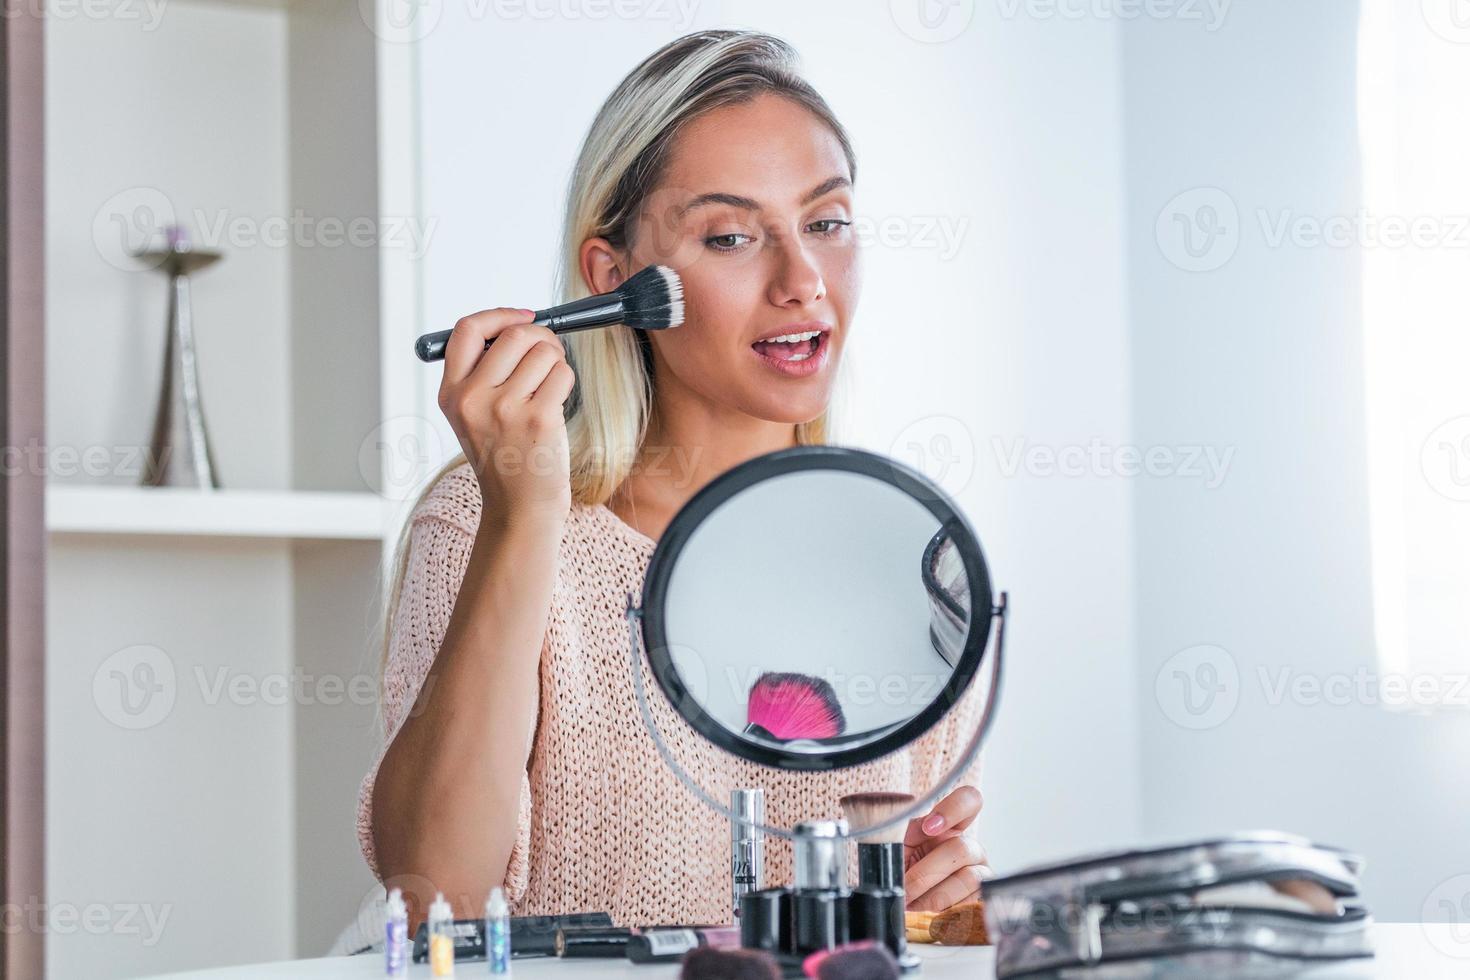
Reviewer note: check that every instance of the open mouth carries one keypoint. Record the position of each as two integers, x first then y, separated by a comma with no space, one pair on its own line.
792,347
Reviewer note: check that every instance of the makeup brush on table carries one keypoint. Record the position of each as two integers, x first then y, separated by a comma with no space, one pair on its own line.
787,706
652,299
877,905
880,854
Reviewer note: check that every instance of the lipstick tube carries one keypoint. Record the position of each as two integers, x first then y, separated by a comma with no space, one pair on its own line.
747,845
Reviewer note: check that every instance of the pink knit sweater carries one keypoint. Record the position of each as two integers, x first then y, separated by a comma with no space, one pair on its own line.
603,823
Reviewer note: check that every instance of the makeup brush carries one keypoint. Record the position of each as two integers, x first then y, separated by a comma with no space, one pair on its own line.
710,963
880,854
653,299
861,960
785,706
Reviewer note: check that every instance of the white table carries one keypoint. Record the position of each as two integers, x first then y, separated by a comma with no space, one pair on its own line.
1421,952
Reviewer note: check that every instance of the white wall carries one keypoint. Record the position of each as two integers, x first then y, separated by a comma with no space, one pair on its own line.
1014,328
1263,355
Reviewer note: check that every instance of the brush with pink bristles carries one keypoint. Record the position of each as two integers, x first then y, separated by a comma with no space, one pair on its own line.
785,706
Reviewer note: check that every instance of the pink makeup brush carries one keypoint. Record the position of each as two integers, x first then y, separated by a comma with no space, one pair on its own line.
786,706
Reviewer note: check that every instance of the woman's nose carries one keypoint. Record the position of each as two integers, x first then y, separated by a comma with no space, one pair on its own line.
797,277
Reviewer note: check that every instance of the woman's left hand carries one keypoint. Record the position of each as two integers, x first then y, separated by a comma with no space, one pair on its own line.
943,865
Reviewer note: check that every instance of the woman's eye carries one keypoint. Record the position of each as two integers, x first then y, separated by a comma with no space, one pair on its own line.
829,226
724,243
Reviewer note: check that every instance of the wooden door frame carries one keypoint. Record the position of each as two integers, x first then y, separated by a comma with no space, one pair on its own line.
22,493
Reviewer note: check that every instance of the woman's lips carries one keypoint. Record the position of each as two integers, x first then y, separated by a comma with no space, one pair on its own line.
788,359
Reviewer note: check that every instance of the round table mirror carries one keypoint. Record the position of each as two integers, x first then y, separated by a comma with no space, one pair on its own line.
816,608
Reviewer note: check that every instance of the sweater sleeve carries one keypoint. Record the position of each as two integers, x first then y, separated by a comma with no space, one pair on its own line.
935,752
438,554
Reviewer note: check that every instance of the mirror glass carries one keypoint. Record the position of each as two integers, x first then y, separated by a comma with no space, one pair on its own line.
816,604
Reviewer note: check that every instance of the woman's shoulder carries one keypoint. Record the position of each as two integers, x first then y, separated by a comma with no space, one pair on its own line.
454,499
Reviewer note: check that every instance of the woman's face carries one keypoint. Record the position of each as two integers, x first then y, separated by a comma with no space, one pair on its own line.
754,213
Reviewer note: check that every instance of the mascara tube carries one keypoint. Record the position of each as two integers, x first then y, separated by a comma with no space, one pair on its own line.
747,845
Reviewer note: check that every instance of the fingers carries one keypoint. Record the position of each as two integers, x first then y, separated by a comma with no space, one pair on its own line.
466,344
960,887
531,371
556,387
511,345
961,858
950,816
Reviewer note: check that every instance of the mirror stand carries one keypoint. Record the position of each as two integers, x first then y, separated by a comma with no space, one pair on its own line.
820,912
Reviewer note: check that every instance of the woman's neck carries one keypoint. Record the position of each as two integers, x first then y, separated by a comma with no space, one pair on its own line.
687,445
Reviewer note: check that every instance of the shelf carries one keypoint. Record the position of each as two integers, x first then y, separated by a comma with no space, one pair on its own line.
221,513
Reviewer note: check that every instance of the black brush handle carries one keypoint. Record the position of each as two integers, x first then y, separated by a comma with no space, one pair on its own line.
602,310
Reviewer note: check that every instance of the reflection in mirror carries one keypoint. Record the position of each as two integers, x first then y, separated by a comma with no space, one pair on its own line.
817,609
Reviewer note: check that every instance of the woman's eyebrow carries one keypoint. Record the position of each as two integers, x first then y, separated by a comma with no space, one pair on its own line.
748,204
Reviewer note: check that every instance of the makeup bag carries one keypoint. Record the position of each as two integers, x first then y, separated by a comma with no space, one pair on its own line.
1253,905
943,575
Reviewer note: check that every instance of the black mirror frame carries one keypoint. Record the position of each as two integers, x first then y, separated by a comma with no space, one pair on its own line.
797,459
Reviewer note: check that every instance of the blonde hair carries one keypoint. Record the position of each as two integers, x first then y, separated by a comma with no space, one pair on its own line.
623,158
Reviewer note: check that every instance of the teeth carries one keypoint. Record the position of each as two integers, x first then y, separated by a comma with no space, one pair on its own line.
793,338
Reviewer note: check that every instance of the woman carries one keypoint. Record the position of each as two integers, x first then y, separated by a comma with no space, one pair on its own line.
516,755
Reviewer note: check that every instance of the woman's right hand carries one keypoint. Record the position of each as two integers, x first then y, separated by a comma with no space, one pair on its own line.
505,405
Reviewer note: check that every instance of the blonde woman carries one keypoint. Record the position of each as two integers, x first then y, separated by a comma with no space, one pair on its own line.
515,754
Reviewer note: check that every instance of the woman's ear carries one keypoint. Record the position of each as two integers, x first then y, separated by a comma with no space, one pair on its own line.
603,267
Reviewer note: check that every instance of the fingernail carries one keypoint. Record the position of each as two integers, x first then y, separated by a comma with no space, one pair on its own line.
933,824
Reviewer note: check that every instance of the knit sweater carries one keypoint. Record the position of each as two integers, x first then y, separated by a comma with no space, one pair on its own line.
603,824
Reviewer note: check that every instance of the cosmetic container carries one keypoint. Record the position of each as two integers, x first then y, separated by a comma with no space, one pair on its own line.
747,845
395,944
497,932
441,938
